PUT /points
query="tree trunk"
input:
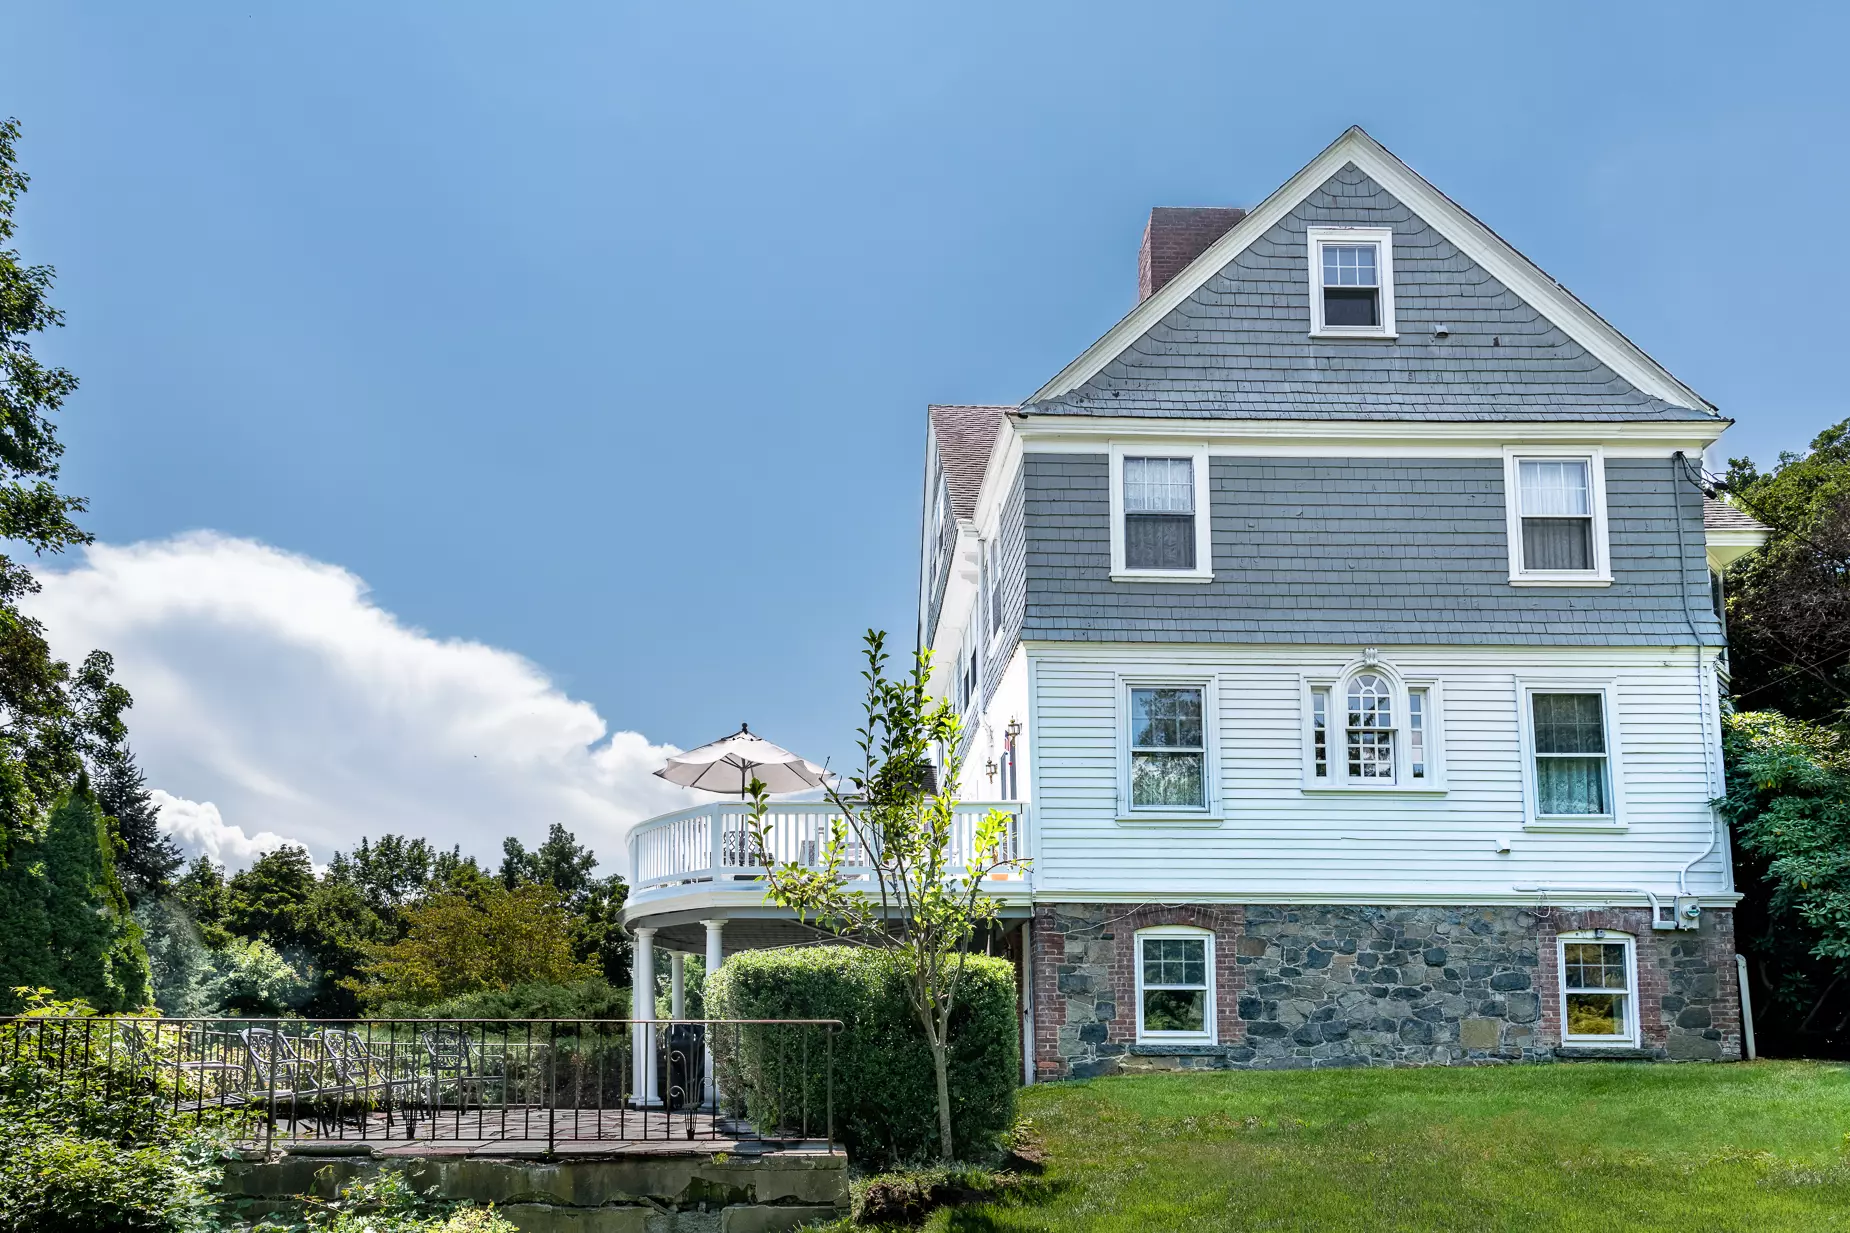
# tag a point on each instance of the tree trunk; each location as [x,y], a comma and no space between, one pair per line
[940,1063]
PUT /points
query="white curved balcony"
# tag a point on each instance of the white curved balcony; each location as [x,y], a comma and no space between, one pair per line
[706,854]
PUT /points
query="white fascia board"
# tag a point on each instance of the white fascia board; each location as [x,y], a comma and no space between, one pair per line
[1427,438]
[1480,243]
[1399,897]
[998,474]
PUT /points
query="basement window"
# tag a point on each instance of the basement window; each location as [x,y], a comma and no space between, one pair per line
[1598,989]
[1175,985]
[1351,282]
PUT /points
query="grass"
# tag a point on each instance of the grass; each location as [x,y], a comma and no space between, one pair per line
[1763,1146]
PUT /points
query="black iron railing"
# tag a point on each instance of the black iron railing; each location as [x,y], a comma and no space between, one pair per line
[278,1082]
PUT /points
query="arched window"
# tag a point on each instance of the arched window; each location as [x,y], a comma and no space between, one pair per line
[1368,737]
[1369,728]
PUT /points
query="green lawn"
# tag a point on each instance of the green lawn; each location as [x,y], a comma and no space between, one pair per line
[1604,1147]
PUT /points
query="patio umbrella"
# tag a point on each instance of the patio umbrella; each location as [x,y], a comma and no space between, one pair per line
[730,764]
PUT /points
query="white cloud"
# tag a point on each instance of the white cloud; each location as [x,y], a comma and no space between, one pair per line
[271,686]
[200,830]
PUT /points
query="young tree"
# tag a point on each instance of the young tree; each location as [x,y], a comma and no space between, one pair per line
[898,815]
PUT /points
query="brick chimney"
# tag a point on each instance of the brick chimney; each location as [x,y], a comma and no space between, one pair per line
[1175,236]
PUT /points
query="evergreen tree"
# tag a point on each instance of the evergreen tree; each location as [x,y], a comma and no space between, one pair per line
[148,859]
[96,948]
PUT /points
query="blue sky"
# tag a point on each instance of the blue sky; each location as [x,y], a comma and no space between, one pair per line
[515,312]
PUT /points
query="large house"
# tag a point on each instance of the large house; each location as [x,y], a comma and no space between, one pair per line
[1344,626]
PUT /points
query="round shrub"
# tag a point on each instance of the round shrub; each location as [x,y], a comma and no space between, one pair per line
[884,1096]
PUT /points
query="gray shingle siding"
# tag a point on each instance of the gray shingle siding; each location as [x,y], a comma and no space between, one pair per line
[1240,346]
[1011,565]
[1362,551]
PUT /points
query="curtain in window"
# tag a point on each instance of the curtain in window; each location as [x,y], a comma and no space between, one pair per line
[1556,503]
[1557,543]
[1555,488]
[1570,749]
[1159,513]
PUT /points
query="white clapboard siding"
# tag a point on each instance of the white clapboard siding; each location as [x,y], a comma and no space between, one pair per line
[1274,840]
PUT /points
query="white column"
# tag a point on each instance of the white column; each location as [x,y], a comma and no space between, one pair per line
[716,954]
[642,1007]
[677,985]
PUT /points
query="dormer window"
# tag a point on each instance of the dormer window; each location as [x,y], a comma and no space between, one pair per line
[1351,282]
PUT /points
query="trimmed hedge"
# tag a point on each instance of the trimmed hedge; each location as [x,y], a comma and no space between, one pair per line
[885,1099]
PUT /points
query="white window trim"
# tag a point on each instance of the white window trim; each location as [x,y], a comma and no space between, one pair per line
[1615,773]
[1211,812]
[1211,1018]
[1383,239]
[1601,573]
[1338,782]
[1204,518]
[1631,988]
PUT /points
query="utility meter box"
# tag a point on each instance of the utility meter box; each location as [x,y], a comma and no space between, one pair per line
[1689,912]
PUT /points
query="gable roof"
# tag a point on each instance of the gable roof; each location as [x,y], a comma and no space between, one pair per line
[1721,516]
[965,435]
[1559,308]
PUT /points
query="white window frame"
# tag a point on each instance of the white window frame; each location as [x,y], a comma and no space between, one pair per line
[1520,576]
[1609,937]
[1533,819]
[1383,240]
[1337,687]
[1210,812]
[1211,1015]
[1204,518]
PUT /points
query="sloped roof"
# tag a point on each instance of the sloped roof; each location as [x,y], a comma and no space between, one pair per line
[1204,345]
[965,435]
[1721,516]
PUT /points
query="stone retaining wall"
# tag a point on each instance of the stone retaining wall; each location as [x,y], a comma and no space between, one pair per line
[644,1192]
[1322,986]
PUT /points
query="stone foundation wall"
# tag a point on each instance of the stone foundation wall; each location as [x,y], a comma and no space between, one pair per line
[655,1191]
[1319,986]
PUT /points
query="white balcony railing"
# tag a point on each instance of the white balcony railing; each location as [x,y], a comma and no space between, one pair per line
[714,843]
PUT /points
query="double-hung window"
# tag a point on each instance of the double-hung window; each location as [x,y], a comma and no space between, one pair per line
[1351,282]
[1557,517]
[1598,988]
[1167,759]
[1159,515]
[1369,730]
[1168,747]
[1175,985]
[1572,755]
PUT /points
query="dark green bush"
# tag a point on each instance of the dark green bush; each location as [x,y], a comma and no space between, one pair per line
[885,1100]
